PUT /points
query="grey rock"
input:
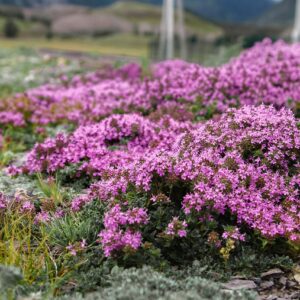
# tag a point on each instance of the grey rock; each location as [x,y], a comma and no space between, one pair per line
[265,285]
[283,281]
[257,280]
[295,295]
[238,284]
[276,273]
[272,297]
[291,283]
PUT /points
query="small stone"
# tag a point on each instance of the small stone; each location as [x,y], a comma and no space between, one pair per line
[272,297]
[272,273]
[296,272]
[297,277]
[283,281]
[257,280]
[265,285]
[295,295]
[238,284]
[291,284]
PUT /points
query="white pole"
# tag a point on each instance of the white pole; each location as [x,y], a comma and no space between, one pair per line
[181,29]
[296,31]
[163,26]
[170,28]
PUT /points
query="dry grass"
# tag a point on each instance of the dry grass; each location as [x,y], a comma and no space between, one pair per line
[119,45]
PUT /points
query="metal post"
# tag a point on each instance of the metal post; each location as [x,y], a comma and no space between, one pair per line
[296,31]
[170,28]
[167,29]
[163,27]
[181,29]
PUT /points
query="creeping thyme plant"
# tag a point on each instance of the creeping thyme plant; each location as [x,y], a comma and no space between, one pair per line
[185,164]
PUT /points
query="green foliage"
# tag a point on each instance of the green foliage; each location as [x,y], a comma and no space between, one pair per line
[146,283]
[93,274]
[16,141]
[70,229]
[51,189]
[23,247]
[68,176]
[87,269]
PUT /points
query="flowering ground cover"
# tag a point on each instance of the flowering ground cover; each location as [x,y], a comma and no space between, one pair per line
[172,165]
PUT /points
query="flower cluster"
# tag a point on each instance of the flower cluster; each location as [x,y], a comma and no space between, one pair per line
[38,210]
[44,216]
[234,234]
[246,163]
[176,228]
[20,203]
[240,169]
[120,229]
[100,148]
[76,248]
[268,73]
[11,117]
[82,100]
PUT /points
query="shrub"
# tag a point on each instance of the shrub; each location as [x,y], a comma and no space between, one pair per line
[239,171]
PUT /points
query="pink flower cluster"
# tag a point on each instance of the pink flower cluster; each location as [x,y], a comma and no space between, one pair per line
[121,229]
[138,133]
[246,163]
[82,100]
[20,203]
[76,248]
[268,73]
[234,234]
[44,217]
[101,148]
[23,205]
[12,118]
[176,228]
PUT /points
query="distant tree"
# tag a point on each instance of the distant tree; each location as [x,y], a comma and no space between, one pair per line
[10,28]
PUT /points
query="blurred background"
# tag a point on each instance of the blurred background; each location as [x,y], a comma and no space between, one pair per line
[88,31]
[131,28]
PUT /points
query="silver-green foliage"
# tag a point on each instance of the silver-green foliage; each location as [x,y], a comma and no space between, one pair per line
[10,278]
[147,284]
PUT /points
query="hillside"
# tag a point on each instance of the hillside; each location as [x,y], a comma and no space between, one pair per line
[217,10]
[146,18]
[130,17]
[280,15]
[229,11]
